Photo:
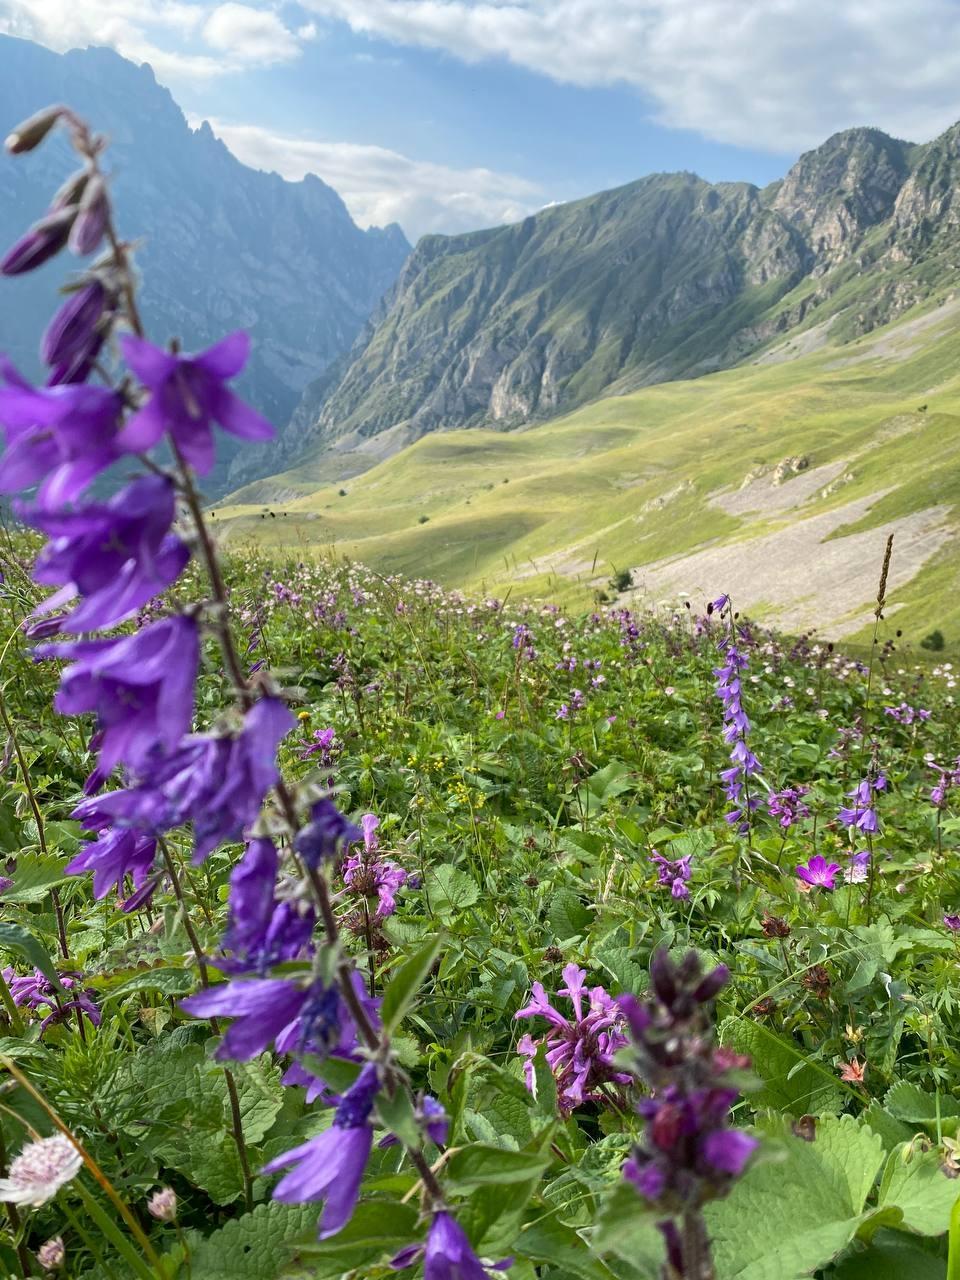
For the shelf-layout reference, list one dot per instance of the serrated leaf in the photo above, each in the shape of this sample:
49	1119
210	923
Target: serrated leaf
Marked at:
404	984
919	1188
788	1217
567	916
891	1130
377	1227
791	1081
169	982
553	1243
913	1105
449	890
256	1246
626	1226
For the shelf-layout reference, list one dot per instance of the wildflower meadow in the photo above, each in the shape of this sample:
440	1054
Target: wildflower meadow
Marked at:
353	927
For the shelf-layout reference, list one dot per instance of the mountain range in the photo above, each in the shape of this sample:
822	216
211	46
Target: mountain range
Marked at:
668	277
220	246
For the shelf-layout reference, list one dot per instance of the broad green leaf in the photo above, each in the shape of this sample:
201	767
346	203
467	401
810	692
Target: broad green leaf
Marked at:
33	879
482	1165
787	1217
404	984
449	890
169	982
792	1081
256	1246
919	1188
891	1256
567	917
626	1227
377	1229
913	1105
890	1129
551	1242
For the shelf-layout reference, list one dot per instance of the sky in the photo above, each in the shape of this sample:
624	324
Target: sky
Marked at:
449	115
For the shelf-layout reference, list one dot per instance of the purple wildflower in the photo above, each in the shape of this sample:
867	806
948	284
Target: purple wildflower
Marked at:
140	687
688	1153
330	1167
788	806
188	393
326	832
447	1255
43	241
859	867
60	436
262	931
818	872
862	814
580	1050
218	783
952	922
736	728
675	873
371	876
117	555
76	334
324	745
113	856
36	992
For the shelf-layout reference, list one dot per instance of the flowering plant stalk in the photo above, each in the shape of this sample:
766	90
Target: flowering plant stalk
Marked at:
111	558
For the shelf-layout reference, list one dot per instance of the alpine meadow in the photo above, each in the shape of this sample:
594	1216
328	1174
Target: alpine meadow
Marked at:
479	726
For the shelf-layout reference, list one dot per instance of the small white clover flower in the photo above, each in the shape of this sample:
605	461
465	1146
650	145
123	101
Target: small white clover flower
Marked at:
40	1170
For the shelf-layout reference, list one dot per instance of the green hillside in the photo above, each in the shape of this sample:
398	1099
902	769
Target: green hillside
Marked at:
653	482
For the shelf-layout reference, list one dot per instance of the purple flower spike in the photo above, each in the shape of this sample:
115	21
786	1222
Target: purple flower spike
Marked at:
261	1009
76	334
62	436
818	872
330	1167
117	555
262	931
140	686
325	834
188	393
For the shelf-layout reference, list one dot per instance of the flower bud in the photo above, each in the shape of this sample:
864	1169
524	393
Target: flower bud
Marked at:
51	1255
71	191
44	239
32	132
74	328
163	1204
91	223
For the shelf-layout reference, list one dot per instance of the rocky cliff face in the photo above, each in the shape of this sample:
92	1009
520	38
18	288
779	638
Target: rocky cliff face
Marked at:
667	277
221	246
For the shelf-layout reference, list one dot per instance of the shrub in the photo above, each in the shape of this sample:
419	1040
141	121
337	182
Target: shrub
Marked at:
934	641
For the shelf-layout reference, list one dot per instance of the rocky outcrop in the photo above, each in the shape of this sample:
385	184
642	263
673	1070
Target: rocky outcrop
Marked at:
667	277
221	246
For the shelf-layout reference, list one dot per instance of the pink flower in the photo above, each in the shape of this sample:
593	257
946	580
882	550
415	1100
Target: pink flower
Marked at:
580	1049
818	872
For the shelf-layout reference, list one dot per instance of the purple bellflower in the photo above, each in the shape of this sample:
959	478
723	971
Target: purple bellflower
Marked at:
60	436
112	857
76	334
580	1050
140	686
326	832
862	814
674	872
330	1167
262	931
116	555
743	763
218	783
187	394
447	1254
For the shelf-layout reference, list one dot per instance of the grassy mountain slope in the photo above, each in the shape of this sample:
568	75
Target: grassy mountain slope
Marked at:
659	479
669	277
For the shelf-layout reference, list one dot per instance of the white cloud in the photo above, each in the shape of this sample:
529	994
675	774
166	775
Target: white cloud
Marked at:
181	39
255	36
779	74
380	186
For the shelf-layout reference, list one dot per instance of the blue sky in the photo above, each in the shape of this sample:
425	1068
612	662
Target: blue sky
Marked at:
447	115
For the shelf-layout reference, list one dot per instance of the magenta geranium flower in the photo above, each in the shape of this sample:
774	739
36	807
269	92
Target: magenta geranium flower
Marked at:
818	872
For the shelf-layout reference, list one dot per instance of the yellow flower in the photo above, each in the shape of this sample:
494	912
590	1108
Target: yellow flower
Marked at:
303	715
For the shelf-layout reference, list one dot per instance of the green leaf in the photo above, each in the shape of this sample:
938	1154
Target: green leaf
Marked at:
256	1246
13	937
551	1242
890	1257
953	1257
377	1227
169	982
482	1165
788	1216
891	1130
792	1081
259	1093
33	879
449	890
404	984
913	1105
567	916
626	1226
919	1188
